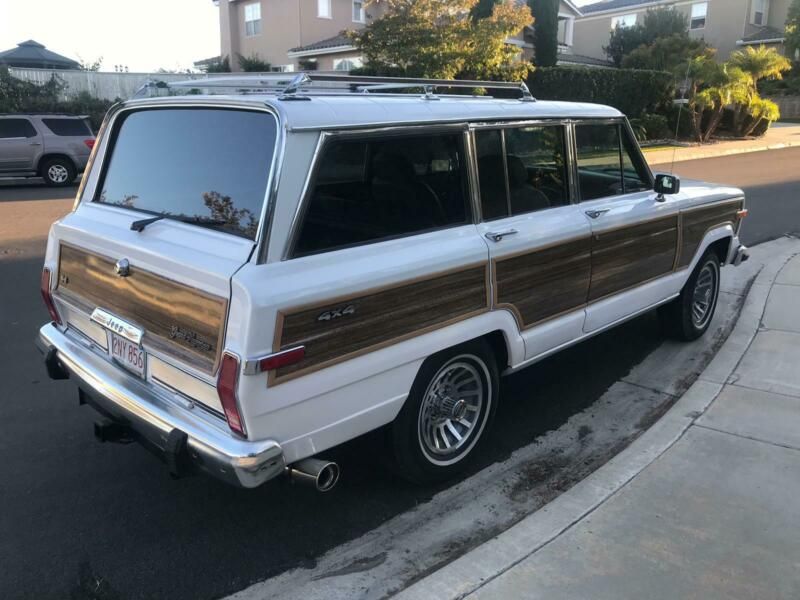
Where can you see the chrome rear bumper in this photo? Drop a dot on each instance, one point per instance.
(204, 441)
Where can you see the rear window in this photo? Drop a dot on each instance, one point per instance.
(206, 165)
(68, 127)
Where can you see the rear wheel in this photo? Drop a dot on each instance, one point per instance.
(689, 315)
(451, 404)
(58, 172)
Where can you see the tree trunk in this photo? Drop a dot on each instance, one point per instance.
(752, 128)
(716, 118)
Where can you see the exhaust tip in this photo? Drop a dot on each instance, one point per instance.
(321, 474)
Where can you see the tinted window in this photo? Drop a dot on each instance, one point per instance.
(492, 174)
(372, 189)
(70, 127)
(531, 177)
(16, 128)
(537, 177)
(606, 166)
(205, 164)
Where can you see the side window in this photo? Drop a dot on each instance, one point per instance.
(608, 164)
(16, 128)
(378, 188)
(537, 176)
(521, 170)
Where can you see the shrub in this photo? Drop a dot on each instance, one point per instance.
(253, 64)
(651, 127)
(633, 92)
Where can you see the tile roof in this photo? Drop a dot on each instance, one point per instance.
(615, 5)
(332, 42)
(762, 35)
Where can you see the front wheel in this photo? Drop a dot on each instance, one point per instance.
(452, 401)
(689, 315)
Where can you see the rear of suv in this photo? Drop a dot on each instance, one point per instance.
(53, 147)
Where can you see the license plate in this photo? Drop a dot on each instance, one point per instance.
(129, 355)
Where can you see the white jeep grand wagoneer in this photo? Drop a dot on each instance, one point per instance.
(248, 280)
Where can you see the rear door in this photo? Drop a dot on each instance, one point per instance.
(634, 235)
(20, 144)
(169, 212)
(539, 241)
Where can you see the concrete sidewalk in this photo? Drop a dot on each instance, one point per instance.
(780, 135)
(703, 505)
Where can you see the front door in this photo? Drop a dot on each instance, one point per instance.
(20, 144)
(539, 241)
(634, 235)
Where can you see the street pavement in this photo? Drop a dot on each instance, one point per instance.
(85, 520)
(711, 511)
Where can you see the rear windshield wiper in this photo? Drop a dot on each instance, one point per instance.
(142, 223)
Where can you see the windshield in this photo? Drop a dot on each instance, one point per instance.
(209, 166)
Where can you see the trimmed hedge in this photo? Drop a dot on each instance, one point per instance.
(633, 92)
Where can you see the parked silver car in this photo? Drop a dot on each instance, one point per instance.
(53, 147)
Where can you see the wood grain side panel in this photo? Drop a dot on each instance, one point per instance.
(544, 283)
(380, 317)
(698, 222)
(625, 257)
(178, 319)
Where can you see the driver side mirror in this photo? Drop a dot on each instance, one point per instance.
(666, 184)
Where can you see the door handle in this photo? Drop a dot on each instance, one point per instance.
(594, 214)
(36, 143)
(497, 236)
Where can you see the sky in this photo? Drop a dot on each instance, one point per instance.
(144, 35)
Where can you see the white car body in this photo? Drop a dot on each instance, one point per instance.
(293, 417)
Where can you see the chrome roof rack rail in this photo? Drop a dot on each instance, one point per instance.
(293, 85)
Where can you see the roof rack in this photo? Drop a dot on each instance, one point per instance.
(301, 85)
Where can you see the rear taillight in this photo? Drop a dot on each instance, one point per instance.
(89, 143)
(282, 359)
(47, 296)
(226, 389)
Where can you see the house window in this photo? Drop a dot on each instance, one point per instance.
(623, 21)
(252, 19)
(347, 64)
(324, 9)
(760, 12)
(358, 11)
(699, 12)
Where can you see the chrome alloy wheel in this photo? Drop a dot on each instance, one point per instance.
(453, 410)
(57, 173)
(704, 296)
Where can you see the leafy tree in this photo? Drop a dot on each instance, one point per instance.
(483, 9)
(669, 53)
(90, 66)
(793, 31)
(441, 39)
(761, 110)
(545, 35)
(657, 23)
(253, 64)
(760, 63)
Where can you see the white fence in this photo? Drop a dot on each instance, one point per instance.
(108, 86)
(789, 105)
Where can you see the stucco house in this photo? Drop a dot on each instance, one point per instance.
(726, 25)
(308, 34)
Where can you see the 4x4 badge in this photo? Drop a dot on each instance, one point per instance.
(337, 312)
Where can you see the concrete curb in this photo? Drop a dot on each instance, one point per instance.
(475, 569)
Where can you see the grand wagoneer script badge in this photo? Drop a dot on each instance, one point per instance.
(329, 315)
(190, 337)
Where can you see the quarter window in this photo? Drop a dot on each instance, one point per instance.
(324, 9)
(699, 13)
(374, 189)
(16, 128)
(521, 170)
(252, 18)
(608, 164)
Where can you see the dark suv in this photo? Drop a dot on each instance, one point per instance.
(53, 147)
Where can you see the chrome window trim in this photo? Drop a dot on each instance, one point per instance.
(87, 194)
(328, 136)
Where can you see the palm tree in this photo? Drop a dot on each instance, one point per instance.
(760, 63)
(761, 109)
(730, 85)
